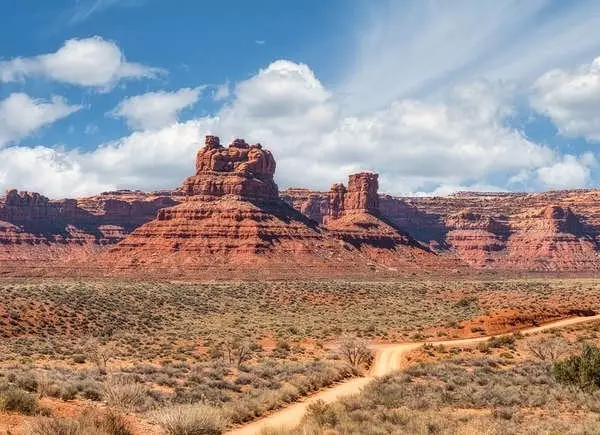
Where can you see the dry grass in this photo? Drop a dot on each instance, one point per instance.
(169, 352)
(191, 420)
(87, 423)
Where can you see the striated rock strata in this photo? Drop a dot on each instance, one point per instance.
(35, 229)
(354, 217)
(233, 217)
(550, 231)
(230, 215)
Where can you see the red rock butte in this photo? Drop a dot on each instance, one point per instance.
(229, 220)
(232, 217)
(242, 170)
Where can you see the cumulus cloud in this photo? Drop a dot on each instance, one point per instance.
(571, 99)
(155, 110)
(414, 144)
(221, 92)
(570, 172)
(52, 172)
(93, 62)
(461, 141)
(21, 115)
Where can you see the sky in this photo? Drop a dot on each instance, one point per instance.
(435, 96)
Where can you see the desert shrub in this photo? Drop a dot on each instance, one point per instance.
(191, 420)
(125, 395)
(27, 382)
(79, 359)
(68, 392)
(502, 341)
(356, 352)
(466, 302)
(580, 370)
(548, 348)
(13, 399)
(322, 414)
(87, 423)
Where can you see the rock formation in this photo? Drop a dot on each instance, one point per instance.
(550, 238)
(362, 195)
(353, 217)
(494, 230)
(39, 233)
(229, 215)
(240, 169)
(232, 217)
(476, 238)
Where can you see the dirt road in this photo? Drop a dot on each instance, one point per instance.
(388, 359)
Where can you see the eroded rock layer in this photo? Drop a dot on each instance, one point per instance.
(550, 231)
(34, 229)
(233, 217)
(353, 217)
(230, 215)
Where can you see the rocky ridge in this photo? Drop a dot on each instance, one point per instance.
(549, 231)
(232, 217)
(36, 229)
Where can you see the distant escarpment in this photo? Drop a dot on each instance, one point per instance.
(550, 231)
(229, 219)
(35, 229)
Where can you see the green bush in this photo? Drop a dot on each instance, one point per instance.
(580, 370)
(19, 401)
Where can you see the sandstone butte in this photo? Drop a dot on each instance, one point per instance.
(229, 218)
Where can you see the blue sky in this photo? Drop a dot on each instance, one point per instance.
(436, 96)
(197, 42)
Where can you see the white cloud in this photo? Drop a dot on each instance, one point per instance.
(93, 62)
(571, 99)
(459, 141)
(222, 92)
(450, 189)
(414, 144)
(569, 173)
(21, 115)
(84, 9)
(416, 48)
(52, 172)
(155, 110)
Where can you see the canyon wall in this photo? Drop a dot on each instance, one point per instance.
(549, 231)
(230, 212)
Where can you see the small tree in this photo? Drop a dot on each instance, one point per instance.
(237, 350)
(580, 370)
(100, 355)
(356, 352)
(548, 348)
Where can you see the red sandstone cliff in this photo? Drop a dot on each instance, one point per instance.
(230, 213)
(36, 229)
(232, 217)
(550, 231)
(353, 217)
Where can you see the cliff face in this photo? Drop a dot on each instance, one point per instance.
(232, 217)
(230, 214)
(353, 216)
(554, 231)
(32, 227)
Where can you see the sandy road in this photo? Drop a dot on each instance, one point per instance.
(388, 359)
